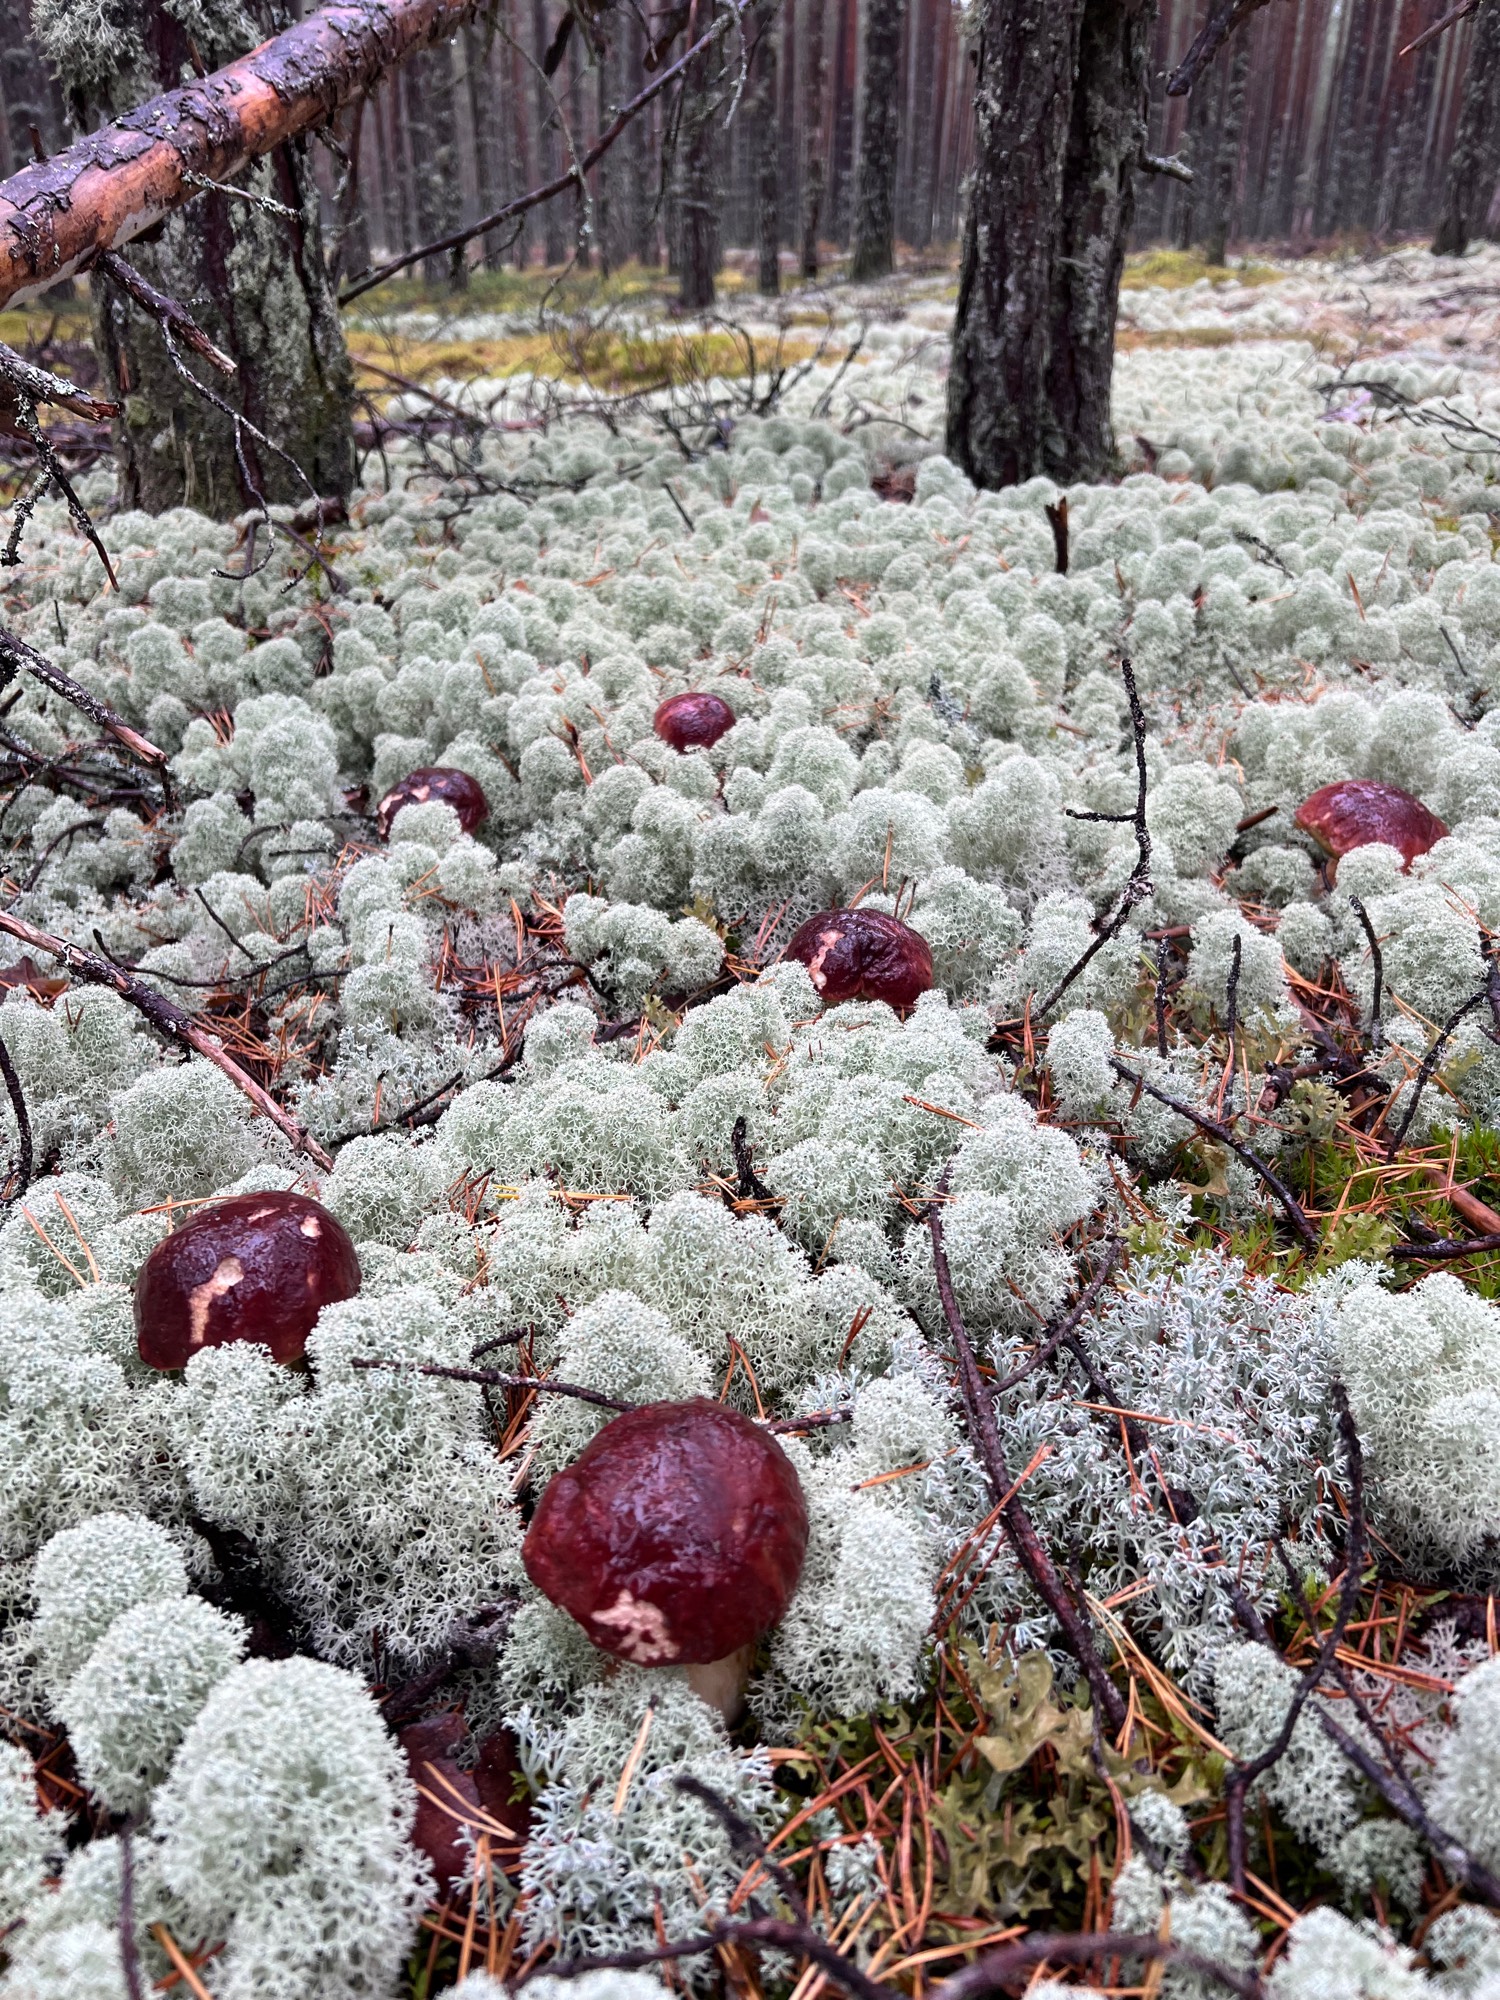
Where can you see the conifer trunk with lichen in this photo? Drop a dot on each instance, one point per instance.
(1060, 107)
(252, 273)
(1471, 171)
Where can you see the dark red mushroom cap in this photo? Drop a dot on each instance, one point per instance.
(863, 955)
(688, 721)
(448, 1804)
(675, 1537)
(1356, 811)
(436, 784)
(258, 1267)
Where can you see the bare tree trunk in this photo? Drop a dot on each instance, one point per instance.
(1219, 185)
(766, 158)
(1059, 110)
(1471, 170)
(698, 189)
(880, 137)
(432, 131)
(553, 227)
(815, 82)
(929, 25)
(484, 128)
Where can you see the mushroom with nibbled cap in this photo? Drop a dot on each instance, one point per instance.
(675, 1538)
(435, 784)
(863, 955)
(258, 1267)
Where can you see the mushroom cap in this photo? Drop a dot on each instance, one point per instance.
(863, 955)
(688, 721)
(676, 1535)
(1356, 811)
(257, 1267)
(435, 783)
(447, 1797)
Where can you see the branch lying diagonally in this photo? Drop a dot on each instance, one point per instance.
(1020, 1530)
(169, 1020)
(108, 187)
(15, 653)
(1220, 25)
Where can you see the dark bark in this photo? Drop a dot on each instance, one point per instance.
(1060, 105)
(1476, 145)
(815, 81)
(554, 228)
(1223, 170)
(29, 96)
(767, 161)
(880, 138)
(484, 130)
(261, 293)
(929, 26)
(432, 134)
(698, 187)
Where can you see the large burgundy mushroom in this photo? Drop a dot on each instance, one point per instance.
(692, 721)
(257, 1267)
(675, 1538)
(863, 955)
(1356, 811)
(435, 784)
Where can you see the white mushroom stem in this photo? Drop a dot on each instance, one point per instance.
(722, 1683)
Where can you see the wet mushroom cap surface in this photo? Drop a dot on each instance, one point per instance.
(1357, 811)
(863, 955)
(692, 721)
(676, 1536)
(435, 784)
(258, 1267)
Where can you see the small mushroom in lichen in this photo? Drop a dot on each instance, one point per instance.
(692, 721)
(863, 955)
(258, 1267)
(1357, 811)
(675, 1538)
(436, 785)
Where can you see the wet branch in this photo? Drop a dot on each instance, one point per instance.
(1020, 1530)
(16, 653)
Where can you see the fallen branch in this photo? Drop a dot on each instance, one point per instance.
(1020, 1530)
(1067, 1327)
(1376, 1032)
(1215, 1128)
(58, 215)
(15, 653)
(23, 1125)
(1428, 1066)
(1244, 1775)
(497, 1378)
(168, 1020)
(164, 309)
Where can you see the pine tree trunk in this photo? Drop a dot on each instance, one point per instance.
(1471, 170)
(929, 26)
(816, 84)
(698, 189)
(1218, 193)
(1059, 107)
(766, 161)
(257, 284)
(554, 224)
(875, 199)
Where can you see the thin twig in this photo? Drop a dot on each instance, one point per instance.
(130, 1958)
(1244, 1775)
(168, 1020)
(979, 1408)
(23, 1125)
(1215, 1128)
(164, 309)
(1068, 1325)
(1428, 1066)
(1377, 1033)
(497, 1378)
(1138, 886)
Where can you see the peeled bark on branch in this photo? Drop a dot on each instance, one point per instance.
(108, 188)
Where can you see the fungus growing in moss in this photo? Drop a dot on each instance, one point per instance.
(675, 1538)
(451, 1799)
(863, 955)
(435, 782)
(1356, 811)
(259, 1267)
(692, 721)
